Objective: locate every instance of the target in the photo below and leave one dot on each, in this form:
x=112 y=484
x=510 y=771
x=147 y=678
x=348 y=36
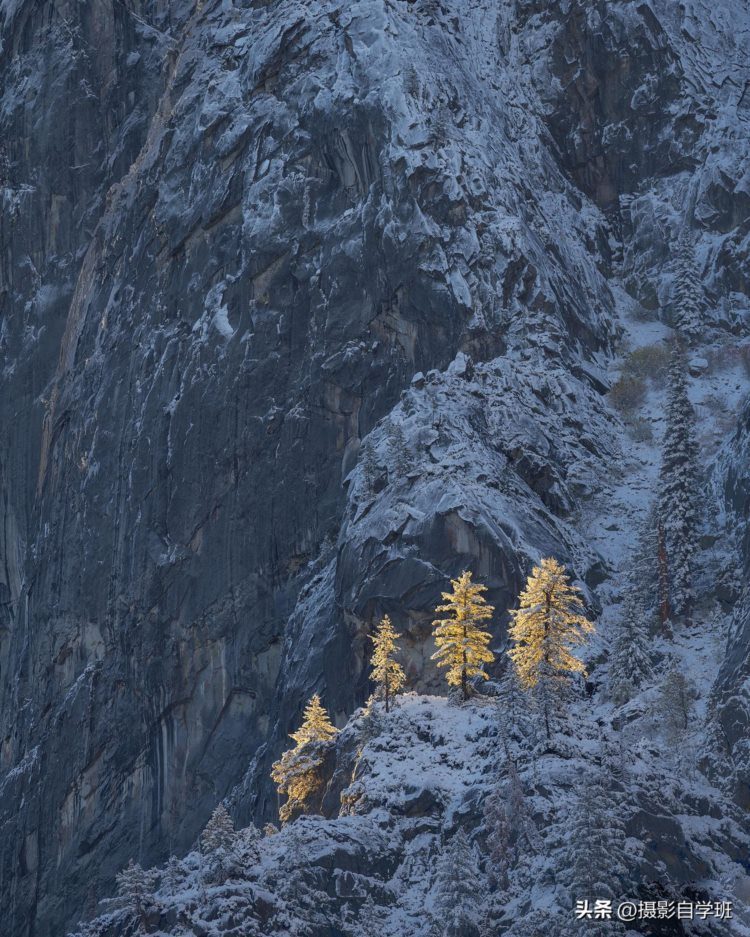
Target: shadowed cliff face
x=231 y=234
x=732 y=684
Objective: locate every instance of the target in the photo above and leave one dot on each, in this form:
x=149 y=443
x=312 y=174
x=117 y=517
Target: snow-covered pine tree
x=369 y=468
x=459 y=887
x=515 y=718
x=663 y=582
x=630 y=660
x=593 y=855
x=248 y=845
x=688 y=303
x=297 y=773
x=399 y=449
x=219 y=831
x=549 y=622
x=387 y=674
x=219 y=845
x=500 y=845
x=462 y=647
x=675 y=706
x=642 y=571
x=316 y=724
x=135 y=890
x=678 y=485
x=175 y=874
x=304 y=909
x=509 y=826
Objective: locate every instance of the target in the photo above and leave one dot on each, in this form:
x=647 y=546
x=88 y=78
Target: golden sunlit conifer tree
x=387 y=674
x=548 y=623
x=297 y=773
x=461 y=645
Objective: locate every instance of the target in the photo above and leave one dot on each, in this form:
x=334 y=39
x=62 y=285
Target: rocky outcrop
x=398 y=786
x=732 y=688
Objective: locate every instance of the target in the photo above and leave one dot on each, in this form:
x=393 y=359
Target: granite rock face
x=733 y=681
x=231 y=235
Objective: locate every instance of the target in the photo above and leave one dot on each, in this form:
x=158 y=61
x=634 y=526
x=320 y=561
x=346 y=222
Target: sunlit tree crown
x=550 y=621
x=297 y=772
x=462 y=647
x=316 y=724
x=387 y=673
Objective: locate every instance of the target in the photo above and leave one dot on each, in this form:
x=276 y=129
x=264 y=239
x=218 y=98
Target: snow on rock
x=365 y=193
x=420 y=773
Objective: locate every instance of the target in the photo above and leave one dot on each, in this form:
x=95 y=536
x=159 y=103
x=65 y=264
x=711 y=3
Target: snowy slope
x=423 y=771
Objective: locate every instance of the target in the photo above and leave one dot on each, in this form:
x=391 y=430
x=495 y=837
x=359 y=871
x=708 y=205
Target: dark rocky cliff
x=231 y=235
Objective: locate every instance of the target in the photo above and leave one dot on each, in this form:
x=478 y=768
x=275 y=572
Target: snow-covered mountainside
x=405 y=783
x=306 y=307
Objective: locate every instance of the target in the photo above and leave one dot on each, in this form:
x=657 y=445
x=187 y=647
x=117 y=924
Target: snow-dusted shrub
x=627 y=394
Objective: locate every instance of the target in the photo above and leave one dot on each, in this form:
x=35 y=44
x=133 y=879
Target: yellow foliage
x=462 y=646
x=387 y=673
x=297 y=773
x=316 y=725
x=548 y=623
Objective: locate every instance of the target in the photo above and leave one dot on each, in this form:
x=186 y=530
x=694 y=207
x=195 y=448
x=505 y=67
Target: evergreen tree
x=593 y=853
x=399 y=449
x=175 y=874
x=461 y=645
x=297 y=773
x=135 y=890
x=459 y=888
x=500 y=846
x=248 y=845
x=369 y=469
x=663 y=568
x=676 y=696
x=688 y=293
x=648 y=574
x=548 y=623
x=509 y=827
x=219 y=845
x=678 y=486
x=516 y=726
x=630 y=661
x=643 y=571
x=219 y=831
x=316 y=724
x=387 y=674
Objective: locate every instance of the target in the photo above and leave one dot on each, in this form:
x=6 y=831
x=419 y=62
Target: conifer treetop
x=461 y=646
x=551 y=619
x=387 y=673
x=316 y=724
x=219 y=830
x=296 y=773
